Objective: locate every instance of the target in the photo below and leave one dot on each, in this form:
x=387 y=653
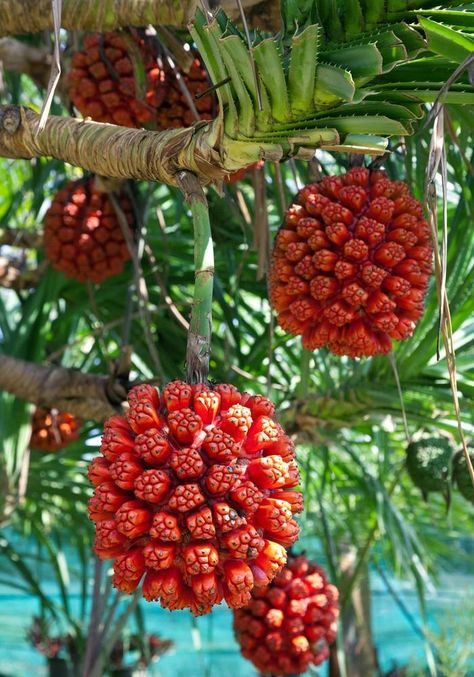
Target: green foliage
x=328 y=79
x=429 y=463
x=452 y=642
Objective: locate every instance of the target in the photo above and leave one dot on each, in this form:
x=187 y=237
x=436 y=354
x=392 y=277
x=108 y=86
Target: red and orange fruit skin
x=289 y=625
x=351 y=264
x=82 y=234
x=195 y=494
x=53 y=430
x=103 y=84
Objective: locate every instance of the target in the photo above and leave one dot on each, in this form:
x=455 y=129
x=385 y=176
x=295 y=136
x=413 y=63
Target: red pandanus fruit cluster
x=120 y=78
x=194 y=494
x=52 y=430
x=351 y=264
x=176 y=110
x=82 y=234
x=290 y=624
x=103 y=83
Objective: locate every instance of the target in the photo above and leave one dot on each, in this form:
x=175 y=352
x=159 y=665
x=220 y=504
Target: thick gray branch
x=88 y=396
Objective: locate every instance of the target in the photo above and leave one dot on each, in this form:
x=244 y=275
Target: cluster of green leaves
x=338 y=76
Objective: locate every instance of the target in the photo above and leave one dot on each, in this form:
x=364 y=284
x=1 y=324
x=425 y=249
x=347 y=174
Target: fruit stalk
x=199 y=336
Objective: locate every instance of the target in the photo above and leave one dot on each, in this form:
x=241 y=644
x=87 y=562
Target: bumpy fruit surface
x=351 y=264
x=429 y=462
x=104 y=86
x=82 y=234
x=102 y=82
x=290 y=624
x=52 y=430
x=195 y=491
x=175 y=111
x=461 y=473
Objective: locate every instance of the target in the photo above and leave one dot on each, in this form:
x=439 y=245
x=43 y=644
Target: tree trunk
x=361 y=657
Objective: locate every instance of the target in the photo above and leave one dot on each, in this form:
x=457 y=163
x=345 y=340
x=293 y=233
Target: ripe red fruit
x=82 y=234
x=290 y=624
x=103 y=84
x=52 y=430
x=351 y=264
x=195 y=490
x=175 y=111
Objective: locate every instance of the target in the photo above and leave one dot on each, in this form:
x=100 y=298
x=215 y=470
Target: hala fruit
x=82 y=234
x=176 y=110
x=52 y=430
x=462 y=476
x=290 y=624
x=195 y=491
x=351 y=264
x=429 y=462
x=103 y=84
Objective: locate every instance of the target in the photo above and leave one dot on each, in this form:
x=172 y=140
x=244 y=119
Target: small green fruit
x=461 y=475
x=428 y=462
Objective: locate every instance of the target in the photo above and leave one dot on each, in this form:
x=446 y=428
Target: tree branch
x=123 y=153
x=21 y=237
x=21 y=57
x=89 y=396
x=110 y=150
x=32 y=16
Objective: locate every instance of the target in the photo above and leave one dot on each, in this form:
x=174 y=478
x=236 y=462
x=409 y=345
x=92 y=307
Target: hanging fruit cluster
x=195 y=490
x=434 y=465
x=52 y=430
x=120 y=78
x=102 y=83
x=82 y=234
x=181 y=108
x=461 y=473
x=290 y=624
x=351 y=264
x=429 y=464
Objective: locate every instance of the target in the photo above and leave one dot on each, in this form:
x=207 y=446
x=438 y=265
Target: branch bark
x=88 y=396
x=113 y=151
x=23 y=58
x=32 y=16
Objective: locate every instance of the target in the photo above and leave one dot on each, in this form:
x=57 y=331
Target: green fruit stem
x=200 y=329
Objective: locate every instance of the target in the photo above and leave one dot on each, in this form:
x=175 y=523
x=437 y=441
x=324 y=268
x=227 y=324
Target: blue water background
x=205 y=647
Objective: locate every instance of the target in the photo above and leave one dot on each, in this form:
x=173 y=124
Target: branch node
x=11 y=119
